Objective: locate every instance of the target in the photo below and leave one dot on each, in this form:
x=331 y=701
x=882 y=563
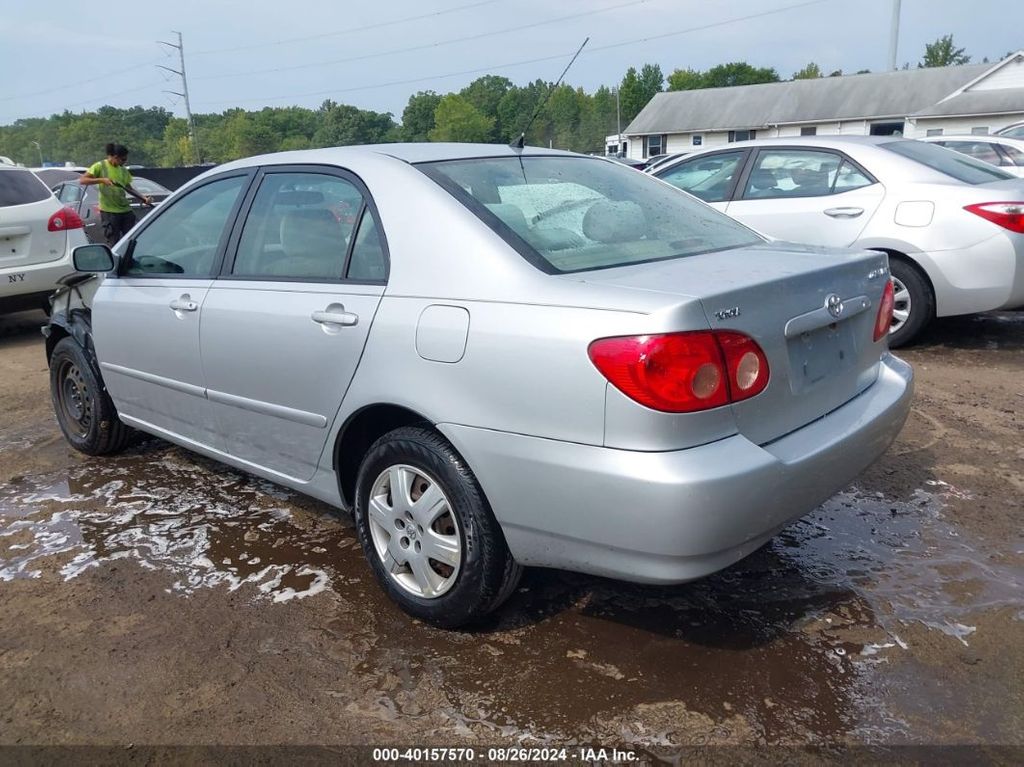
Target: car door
x=285 y=324
x=146 y=316
x=711 y=177
x=809 y=195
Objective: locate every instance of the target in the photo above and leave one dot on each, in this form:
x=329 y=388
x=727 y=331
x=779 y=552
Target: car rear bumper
x=18 y=281
x=986 y=276
x=669 y=517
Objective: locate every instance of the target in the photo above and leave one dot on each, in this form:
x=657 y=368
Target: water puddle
x=785 y=646
x=205 y=525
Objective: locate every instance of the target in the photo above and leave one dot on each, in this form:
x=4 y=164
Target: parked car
x=952 y=226
x=509 y=357
x=52 y=177
x=37 y=235
x=660 y=159
x=1016 y=130
x=85 y=201
x=1001 y=151
x=629 y=162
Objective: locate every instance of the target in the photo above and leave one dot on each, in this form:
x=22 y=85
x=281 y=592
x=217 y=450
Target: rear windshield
x=946 y=161
x=569 y=214
x=20 y=187
x=147 y=187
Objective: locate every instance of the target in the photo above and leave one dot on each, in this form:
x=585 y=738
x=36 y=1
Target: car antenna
x=520 y=142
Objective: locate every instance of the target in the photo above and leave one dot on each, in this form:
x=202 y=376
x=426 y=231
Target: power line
x=113 y=73
x=349 y=30
x=425 y=46
x=524 y=62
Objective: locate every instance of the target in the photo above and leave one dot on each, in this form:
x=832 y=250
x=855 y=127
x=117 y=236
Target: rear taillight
x=1009 y=215
x=883 y=320
x=683 y=372
x=65 y=218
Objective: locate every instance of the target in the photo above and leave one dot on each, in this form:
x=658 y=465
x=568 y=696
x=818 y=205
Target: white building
x=974 y=98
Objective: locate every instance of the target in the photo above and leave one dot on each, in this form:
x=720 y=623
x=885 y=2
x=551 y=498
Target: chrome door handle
x=844 y=212
x=184 y=304
x=335 y=316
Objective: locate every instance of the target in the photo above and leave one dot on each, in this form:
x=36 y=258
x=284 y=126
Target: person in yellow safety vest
x=114 y=180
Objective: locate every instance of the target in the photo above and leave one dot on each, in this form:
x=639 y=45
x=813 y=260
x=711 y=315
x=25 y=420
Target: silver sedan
x=494 y=357
x=952 y=226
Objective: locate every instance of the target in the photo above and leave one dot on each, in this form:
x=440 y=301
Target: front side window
x=709 y=178
x=566 y=214
x=299 y=227
x=182 y=239
x=952 y=164
x=792 y=173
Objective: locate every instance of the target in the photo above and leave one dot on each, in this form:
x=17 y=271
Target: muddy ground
x=160 y=598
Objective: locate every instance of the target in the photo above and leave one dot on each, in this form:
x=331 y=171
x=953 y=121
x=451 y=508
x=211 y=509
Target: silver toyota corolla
x=495 y=357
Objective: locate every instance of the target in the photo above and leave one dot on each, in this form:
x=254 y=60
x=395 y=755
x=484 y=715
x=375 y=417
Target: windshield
x=946 y=161
x=568 y=214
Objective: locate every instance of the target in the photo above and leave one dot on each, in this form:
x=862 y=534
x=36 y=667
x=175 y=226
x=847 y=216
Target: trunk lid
x=778 y=295
x=24 y=237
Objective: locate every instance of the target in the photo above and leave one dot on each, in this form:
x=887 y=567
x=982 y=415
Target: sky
x=375 y=55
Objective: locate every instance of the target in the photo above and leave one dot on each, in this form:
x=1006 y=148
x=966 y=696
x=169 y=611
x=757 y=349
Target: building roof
x=1002 y=101
x=869 y=96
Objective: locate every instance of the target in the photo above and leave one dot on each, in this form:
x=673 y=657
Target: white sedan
x=953 y=227
x=1002 y=151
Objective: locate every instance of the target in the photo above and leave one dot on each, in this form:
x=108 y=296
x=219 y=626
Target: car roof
x=411 y=153
x=987 y=138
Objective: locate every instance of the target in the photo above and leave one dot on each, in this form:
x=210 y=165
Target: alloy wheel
x=414 y=530
x=901 y=305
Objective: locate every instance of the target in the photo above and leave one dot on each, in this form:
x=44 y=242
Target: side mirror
x=92 y=258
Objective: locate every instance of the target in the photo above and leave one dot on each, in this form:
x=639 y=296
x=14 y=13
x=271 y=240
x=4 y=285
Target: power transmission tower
x=184 y=94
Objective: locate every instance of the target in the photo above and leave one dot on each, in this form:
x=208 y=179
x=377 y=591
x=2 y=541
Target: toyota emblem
x=834 y=304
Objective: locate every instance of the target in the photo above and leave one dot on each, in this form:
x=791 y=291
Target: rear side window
x=979 y=150
x=299 y=227
x=949 y=163
x=21 y=187
x=569 y=214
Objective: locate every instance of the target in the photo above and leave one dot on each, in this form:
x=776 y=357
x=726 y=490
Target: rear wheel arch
x=897 y=255
x=359 y=432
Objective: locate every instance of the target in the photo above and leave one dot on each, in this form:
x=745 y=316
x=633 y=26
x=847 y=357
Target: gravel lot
x=160 y=598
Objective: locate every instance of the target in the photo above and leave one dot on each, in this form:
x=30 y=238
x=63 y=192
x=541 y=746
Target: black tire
x=84 y=410
x=922 y=302
x=487 y=574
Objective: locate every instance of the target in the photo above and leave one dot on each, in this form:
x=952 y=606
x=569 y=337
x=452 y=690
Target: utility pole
x=184 y=94
x=40 y=153
x=618 y=124
x=894 y=35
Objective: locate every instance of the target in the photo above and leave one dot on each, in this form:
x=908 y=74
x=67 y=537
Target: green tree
x=738 y=73
x=943 y=53
x=485 y=93
x=418 y=116
x=456 y=119
x=637 y=88
x=810 y=72
x=343 y=125
x=686 y=80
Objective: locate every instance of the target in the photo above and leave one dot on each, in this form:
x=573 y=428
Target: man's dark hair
x=117 y=150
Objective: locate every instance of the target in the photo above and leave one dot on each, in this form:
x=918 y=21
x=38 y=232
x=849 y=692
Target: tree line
x=490 y=109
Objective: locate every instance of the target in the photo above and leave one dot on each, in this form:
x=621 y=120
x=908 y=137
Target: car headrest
x=762 y=178
x=614 y=221
x=511 y=216
x=309 y=232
